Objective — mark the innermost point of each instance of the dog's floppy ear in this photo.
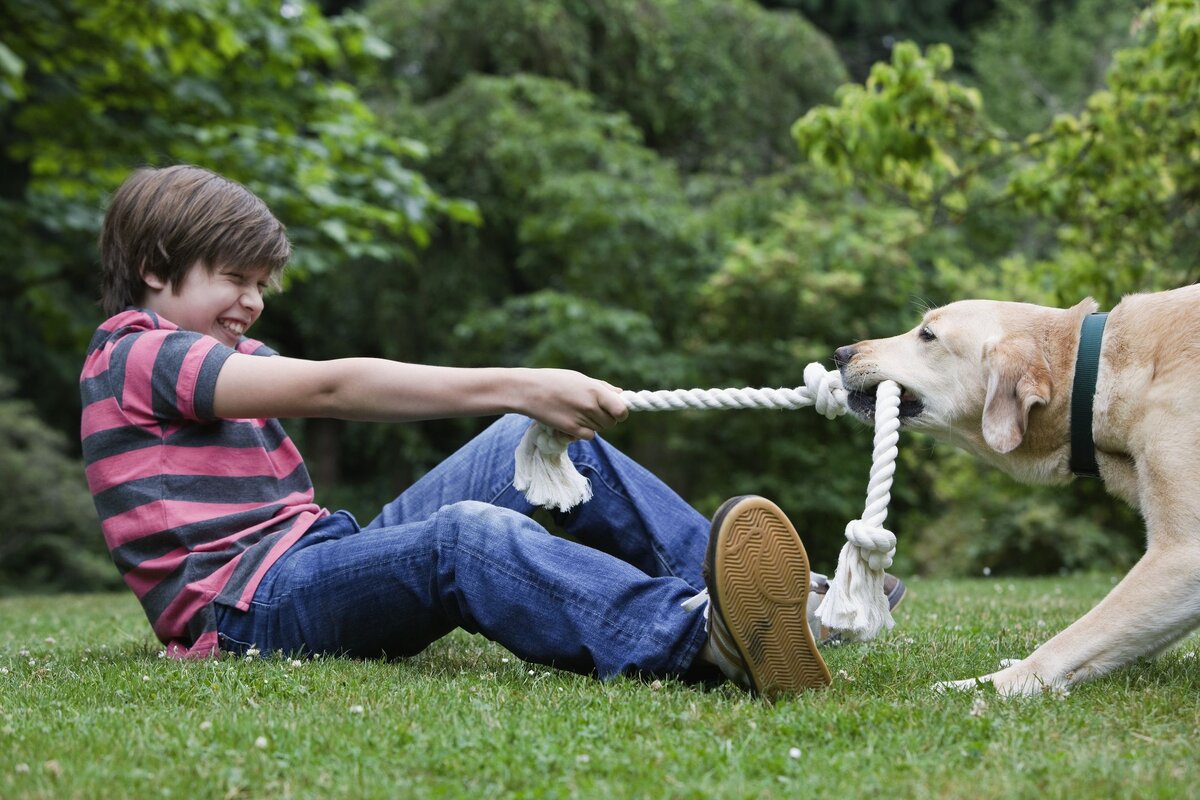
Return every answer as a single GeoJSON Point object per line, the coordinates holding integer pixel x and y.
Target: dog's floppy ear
{"type": "Point", "coordinates": [1018, 378]}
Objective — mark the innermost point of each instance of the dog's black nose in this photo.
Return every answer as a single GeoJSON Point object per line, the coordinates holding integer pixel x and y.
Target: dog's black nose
{"type": "Point", "coordinates": [842, 356]}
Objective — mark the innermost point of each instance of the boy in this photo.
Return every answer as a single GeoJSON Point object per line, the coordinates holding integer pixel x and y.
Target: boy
{"type": "Point", "coordinates": [208, 510]}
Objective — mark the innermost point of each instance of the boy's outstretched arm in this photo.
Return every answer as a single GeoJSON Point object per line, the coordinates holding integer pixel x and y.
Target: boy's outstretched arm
{"type": "Point", "coordinates": [382, 390]}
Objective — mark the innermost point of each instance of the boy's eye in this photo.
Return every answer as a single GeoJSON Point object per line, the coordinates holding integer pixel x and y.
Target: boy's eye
{"type": "Point", "coordinates": [926, 335]}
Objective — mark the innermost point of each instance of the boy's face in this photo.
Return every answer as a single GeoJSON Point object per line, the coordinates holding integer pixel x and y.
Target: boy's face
{"type": "Point", "coordinates": [223, 302]}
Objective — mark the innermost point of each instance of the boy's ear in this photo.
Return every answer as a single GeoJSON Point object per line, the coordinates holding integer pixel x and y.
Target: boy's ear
{"type": "Point", "coordinates": [153, 281]}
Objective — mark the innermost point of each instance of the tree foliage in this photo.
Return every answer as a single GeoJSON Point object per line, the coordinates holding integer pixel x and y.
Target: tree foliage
{"type": "Point", "coordinates": [1037, 60]}
{"type": "Point", "coordinates": [711, 84]}
{"type": "Point", "coordinates": [1117, 181]}
{"type": "Point", "coordinates": [866, 30]}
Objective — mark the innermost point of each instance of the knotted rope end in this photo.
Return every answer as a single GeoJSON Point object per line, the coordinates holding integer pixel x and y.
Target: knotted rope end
{"type": "Point", "coordinates": [855, 607]}
{"type": "Point", "coordinates": [545, 474]}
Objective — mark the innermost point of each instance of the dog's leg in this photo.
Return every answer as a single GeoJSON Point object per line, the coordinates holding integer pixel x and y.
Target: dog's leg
{"type": "Point", "coordinates": [1156, 604]}
{"type": "Point", "coordinates": [1159, 600]}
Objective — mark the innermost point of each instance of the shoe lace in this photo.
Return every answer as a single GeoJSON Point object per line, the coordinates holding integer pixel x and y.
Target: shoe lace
{"type": "Point", "coordinates": [694, 602]}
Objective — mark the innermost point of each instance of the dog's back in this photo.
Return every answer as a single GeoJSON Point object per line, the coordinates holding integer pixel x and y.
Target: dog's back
{"type": "Point", "coordinates": [1148, 389]}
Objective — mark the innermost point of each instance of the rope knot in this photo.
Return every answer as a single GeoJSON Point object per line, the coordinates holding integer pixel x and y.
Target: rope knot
{"type": "Point", "coordinates": [549, 442]}
{"type": "Point", "coordinates": [876, 545]}
{"type": "Point", "coordinates": [825, 387]}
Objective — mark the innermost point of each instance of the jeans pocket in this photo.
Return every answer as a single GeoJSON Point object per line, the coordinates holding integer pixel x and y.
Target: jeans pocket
{"type": "Point", "coordinates": [238, 631]}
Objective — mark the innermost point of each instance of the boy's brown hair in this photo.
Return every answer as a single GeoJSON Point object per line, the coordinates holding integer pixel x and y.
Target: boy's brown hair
{"type": "Point", "coordinates": [162, 221]}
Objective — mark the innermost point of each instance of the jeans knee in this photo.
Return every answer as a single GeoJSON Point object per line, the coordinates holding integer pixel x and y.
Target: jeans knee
{"type": "Point", "coordinates": [464, 512]}
{"type": "Point", "coordinates": [471, 520]}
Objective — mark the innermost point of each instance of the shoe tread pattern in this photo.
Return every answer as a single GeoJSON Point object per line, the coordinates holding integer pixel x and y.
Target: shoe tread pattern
{"type": "Point", "coordinates": [762, 583]}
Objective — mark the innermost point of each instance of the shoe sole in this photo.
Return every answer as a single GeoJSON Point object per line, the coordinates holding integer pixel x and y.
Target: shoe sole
{"type": "Point", "coordinates": [760, 582]}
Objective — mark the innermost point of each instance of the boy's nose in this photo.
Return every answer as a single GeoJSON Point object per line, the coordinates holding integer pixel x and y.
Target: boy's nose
{"type": "Point", "coordinates": [252, 298]}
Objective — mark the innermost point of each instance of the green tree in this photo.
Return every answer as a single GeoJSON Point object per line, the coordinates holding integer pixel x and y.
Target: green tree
{"type": "Point", "coordinates": [1113, 189]}
{"type": "Point", "coordinates": [636, 210]}
{"type": "Point", "coordinates": [866, 30]}
{"type": "Point", "coordinates": [578, 128]}
{"type": "Point", "coordinates": [1033, 61]}
{"type": "Point", "coordinates": [711, 84]}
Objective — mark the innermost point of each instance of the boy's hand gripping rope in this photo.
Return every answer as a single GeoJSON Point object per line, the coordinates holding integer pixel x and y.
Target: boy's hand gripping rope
{"type": "Point", "coordinates": [855, 606]}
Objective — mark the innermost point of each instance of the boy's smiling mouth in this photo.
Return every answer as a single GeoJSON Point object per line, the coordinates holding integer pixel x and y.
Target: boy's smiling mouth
{"type": "Point", "coordinates": [233, 327]}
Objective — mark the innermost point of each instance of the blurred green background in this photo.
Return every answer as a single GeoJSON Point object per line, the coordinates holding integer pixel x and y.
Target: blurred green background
{"type": "Point", "coordinates": [661, 193]}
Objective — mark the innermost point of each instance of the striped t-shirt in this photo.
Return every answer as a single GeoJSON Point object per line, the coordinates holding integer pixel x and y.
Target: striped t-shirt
{"type": "Point", "coordinates": [194, 509]}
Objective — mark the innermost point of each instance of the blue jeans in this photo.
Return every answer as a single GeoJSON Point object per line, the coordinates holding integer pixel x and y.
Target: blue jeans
{"type": "Point", "coordinates": [458, 549]}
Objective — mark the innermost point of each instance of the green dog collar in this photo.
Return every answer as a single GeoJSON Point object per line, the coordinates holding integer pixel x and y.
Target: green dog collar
{"type": "Point", "coordinates": [1083, 392]}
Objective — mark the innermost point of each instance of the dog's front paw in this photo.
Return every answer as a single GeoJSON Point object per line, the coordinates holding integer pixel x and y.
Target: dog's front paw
{"type": "Point", "coordinates": [1017, 680]}
{"type": "Point", "coordinates": [1022, 682]}
{"type": "Point", "coordinates": [969, 685]}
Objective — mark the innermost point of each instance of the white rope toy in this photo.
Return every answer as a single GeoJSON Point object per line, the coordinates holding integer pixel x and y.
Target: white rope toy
{"type": "Point", "coordinates": [855, 606]}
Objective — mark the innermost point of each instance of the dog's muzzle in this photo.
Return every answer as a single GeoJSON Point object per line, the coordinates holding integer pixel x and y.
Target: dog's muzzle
{"type": "Point", "coordinates": [861, 400]}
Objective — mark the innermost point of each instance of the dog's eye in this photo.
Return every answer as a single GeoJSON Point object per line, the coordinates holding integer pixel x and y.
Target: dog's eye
{"type": "Point", "coordinates": [925, 334]}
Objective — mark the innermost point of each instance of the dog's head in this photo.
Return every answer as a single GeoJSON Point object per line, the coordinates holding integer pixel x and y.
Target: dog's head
{"type": "Point", "coordinates": [974, 370]}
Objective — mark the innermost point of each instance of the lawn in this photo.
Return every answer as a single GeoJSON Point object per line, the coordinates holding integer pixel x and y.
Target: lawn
{"type": "Point", "coordinates": [88, 708]}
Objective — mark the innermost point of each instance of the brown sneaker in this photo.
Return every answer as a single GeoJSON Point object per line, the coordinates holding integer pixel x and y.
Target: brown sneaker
{"type": "Point", "coordinates": [757, 575]}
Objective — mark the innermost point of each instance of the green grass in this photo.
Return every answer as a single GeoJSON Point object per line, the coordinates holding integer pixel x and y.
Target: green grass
{"type": "Point", "coordinates": [89, 709]}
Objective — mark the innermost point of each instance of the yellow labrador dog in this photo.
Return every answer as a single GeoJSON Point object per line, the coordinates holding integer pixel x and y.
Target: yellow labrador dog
{"type": "Point", "coordinates": [996, 379]}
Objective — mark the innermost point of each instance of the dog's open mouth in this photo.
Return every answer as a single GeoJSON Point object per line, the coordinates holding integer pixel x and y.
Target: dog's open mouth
{"type": "Point", "coordinates": [862, 402]}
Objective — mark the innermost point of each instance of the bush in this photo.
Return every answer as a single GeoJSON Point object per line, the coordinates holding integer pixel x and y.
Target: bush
{"type": "Point", "coordinates": [712, 84]}
{"type": "Point", "coordinates": [52, 538]}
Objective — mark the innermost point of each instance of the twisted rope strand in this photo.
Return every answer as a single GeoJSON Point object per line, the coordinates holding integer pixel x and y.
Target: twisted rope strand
{"type": "Point", "coordinates": [876, 544]}
{"type": "Point", "coordinates": [883, 455]}
{"type": "Point", "coordinates": [821, 388]}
